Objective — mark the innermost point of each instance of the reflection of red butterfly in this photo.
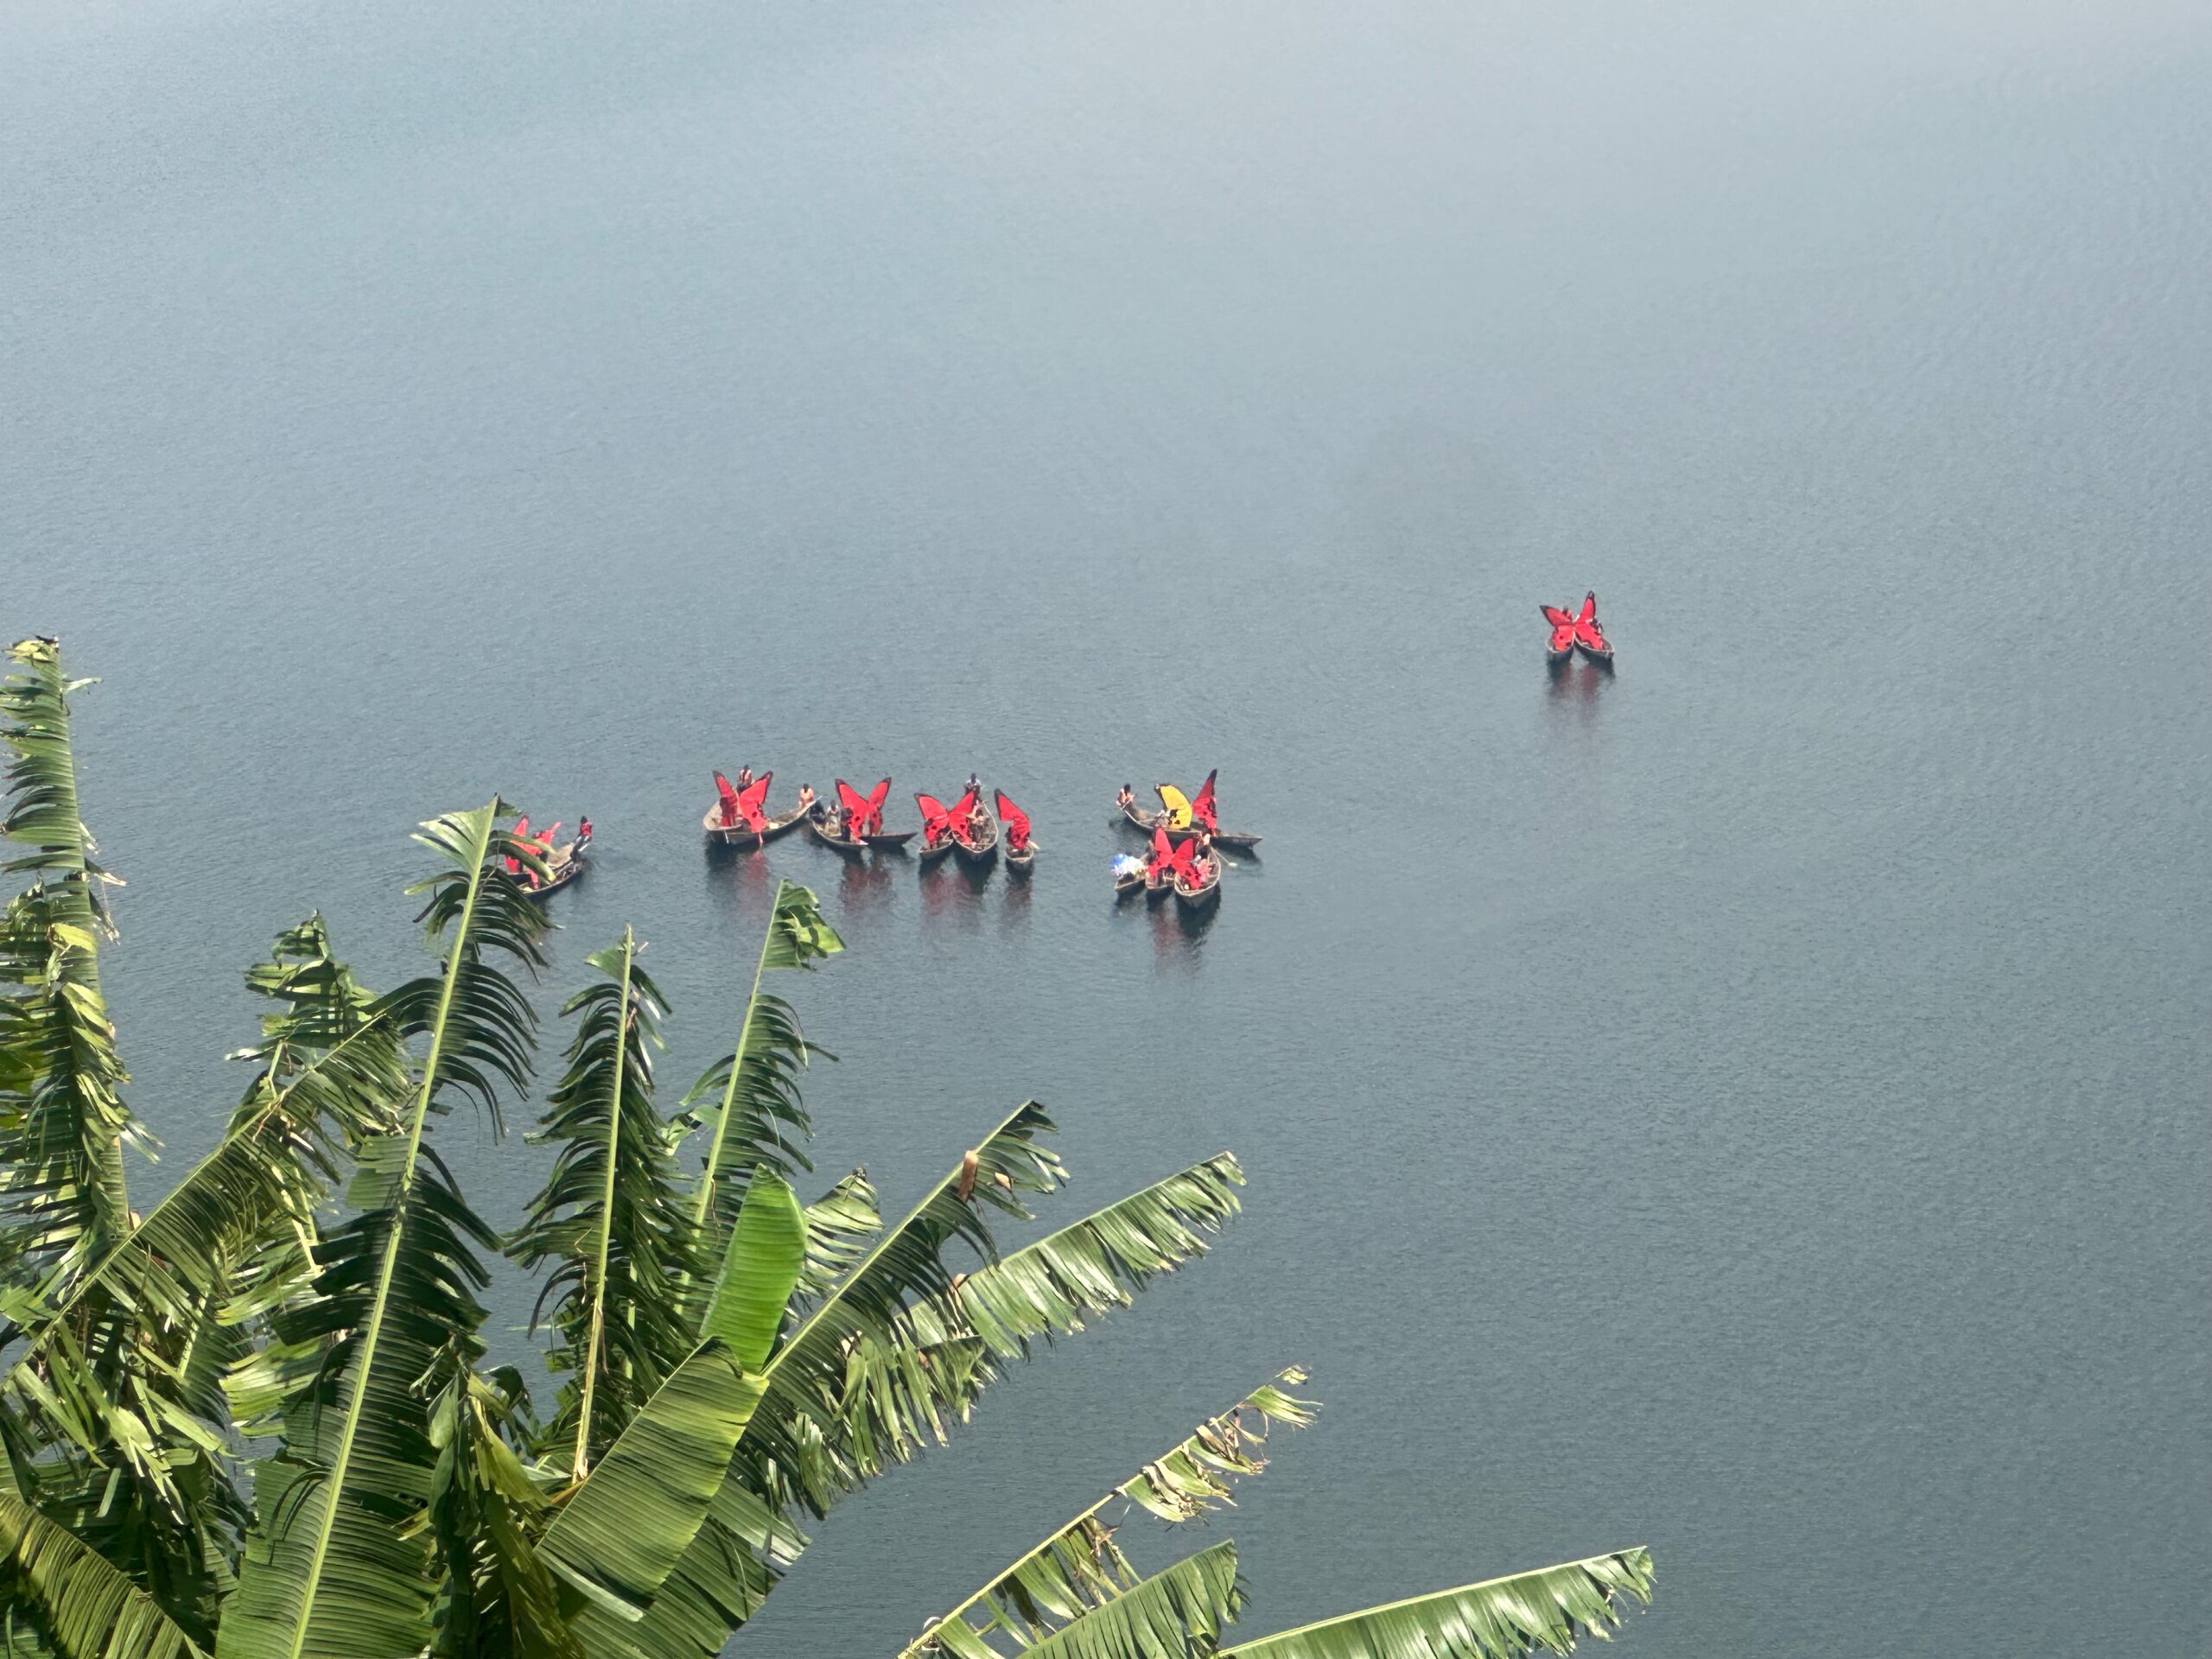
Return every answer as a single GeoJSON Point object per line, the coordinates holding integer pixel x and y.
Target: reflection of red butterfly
{"type": "Point", "coordinates": [743, 806]}
{"type": "Point", "coordinates": [866, 810]}
{"type": "Point", "coordinates": [1016, 820]}
{"type": "Point", "coordinates": [1569, 632]}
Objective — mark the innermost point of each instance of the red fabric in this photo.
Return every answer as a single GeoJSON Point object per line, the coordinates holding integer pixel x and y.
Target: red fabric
{"type": "Point", "coordinates": [1016, 822]}
{"type": "Point", "coordinates": [1202, 808]}
{"type": "Point", "coordinates": [731, 811]}
{"type": "Point", "coordinates": [748, 802]}
{"type": "Point", "coordinates": [937, 823]}
{"type": "Point", "coordinates": [1582, 629]}
{"type": "Point", "coordinates": [1169, 860]}
{"type": "Point", "coordinates": [855, 806]}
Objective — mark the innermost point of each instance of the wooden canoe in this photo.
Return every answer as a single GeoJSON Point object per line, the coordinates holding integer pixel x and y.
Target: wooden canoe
{"type": "Point", "coordinates": [1126, 885]}
{"type": "Point", "coordinates": [1558, 659]}
{"type": "Point", "coordinates": [1022, 862]}
{"type": "Point", "coordinates": [1137, 818]}
{"type": "Point", "coordinates": [891, 842]}
{"type": "Point", "coordinates": [932, 851]}
{"type": "Point", "coordinates": [823, 830]}
{"type": "Point", "coordinates": [977, 853]}
{"type": "Point", "coordinates": [736, 834]}
{"type": "Point", "coordinates": [1199, 895]}
{"type": "Point", "coordinates": [568, 864]}
{"type": "Point", "coordinates": [1602, 655]}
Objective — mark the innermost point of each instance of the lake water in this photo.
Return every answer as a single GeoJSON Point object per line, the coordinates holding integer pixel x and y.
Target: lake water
{"type": "Point", "coordinates": [1754, 1105]}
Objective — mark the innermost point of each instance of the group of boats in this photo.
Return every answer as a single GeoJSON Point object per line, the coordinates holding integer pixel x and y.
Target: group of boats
{"type": "Point", "coordinates": [966, 830]}
{"type": "Point", "coordinates": [1185, 858]}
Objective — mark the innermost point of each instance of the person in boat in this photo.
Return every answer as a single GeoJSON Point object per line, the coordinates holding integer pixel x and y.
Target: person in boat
{"type": "Point", "coordinates": [806, 803]}
{"type": "Point", "coordinates": [744, 777]}
{"type": "Point", "coordinates": [1127, 799]}
{"type": "Point", "coordinates": [583, 834]}
{"type": "Point", "coordinates": [979, 821]}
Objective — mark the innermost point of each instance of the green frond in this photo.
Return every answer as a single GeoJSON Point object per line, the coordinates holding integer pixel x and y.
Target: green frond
{"type": "Point", "coordinates": [1503, 1618]}
{"type": "Point", "coordinates": [622, 1532]}
{"type": "Point", "coordinates": [340, 1562]}
{"type": "Point", "coordinates": [1081, 1566]}
{"type": "Point", "coordinates": [1046, 1289]}
{"type": "Point", "coordinates": [610, 1219]}
{"type": "Point", "coordinates": [499, 1599]}
{"type": "Point", "coordinates": [63, 1124]}
{"type": "Point", "coordinates": [1179, 1613]}
{"type": "Point", "coordinates": [849, 1392]}
{"type": "Point", "coordinates": [841, 1227]}
{"type": "Point", "coordinates": [84, 1606]}
{"type": "Point", "coordinates": [758, 1118]}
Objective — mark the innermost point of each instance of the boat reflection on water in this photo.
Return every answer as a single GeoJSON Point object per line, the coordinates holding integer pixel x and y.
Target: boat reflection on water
{"type": "Point", "coordinates": [864, 885]}
{"type": "Point", "coordinates": [1578, 686]}
{"type": "Point", "coordinates": [952, 898]}
{"type": "Point", "coordinates": [740, 886]}
{"type": "Point", "coordinates": [1013, 908]}
{"type": "Point", "coordinates": [1179, 935]}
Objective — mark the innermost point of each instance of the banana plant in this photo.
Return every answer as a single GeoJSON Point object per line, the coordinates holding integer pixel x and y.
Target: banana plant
{"type": "Point", "coordinates": [733, 1363]}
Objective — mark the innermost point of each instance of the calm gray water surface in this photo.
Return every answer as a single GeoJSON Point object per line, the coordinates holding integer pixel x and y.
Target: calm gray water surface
{"type": "Point", "coordinates": [1754, 1106]}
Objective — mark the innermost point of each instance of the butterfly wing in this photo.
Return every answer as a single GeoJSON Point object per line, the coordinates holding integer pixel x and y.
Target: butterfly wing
{"type": "Point", "coordinates": [750, 799]}
{"type": "Point", "coordinates": [732, 812]}
{"type": "Point", "coordinates": [935, 818]}
{"type": "Point", "coordinates": [963, 807]}
{"type": "Point", "coordinates": [1178, 805]}
{"type": "Point", "coordinates": [1013, 818]}
{"type": "Point", "coordinates": [852, 800]}
{"type": "Point", "coordinates": [1202, 807]}
{"type": "Point", "coordinates": [1589, 613]}
{"type": "Point", "coordinates": [1556, 617]}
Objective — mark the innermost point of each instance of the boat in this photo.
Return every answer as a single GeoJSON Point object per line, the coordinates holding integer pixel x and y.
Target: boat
{"type": "Point", "coordinates": [1020, 846]}
{"type": "Point", "coordinates": [1128, 881]}
{"type": "Point", "coordinates": [736, 819]}
{"type": "Point", "coordinates": [823, 826]}
{"type": "Point", "coordinates": [1194, 893]}
{"type": "Point", "coordinates": [1576, 631]}
{"type": "Point", "coordinates": [940, 832]}
{"type": "Point", "coordinates": [1138, 818]}
{"type": "Point", "coordinates": [744, 838]}
{"type": "Point", "coordinates": [564, 864]}
{"type": "Point", "coordinates": [866, 810]}
{"type": "Point", "coordinates": [976, 848]}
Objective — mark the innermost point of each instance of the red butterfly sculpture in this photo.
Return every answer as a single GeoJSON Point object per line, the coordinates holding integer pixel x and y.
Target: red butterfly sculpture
{"type": "Point", "coordinates": [1202, 808]}
{"type": "Point", "coordinates": [1582, 629]}
{"type": "Point", "coordinates": [1016, 822]}
{"type": "Point", "coordinates": [744, 806]}
{"type": "Point", "coordinates": [937, 823]}
{"type": "Point", "coordinates": [866, 810]}
{"type": "Point", "coordinates": [1169, 859]}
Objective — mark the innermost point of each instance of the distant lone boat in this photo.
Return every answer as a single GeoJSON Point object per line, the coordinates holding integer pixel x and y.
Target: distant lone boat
{"type": "Point", "coordinates": [1580, 633]}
